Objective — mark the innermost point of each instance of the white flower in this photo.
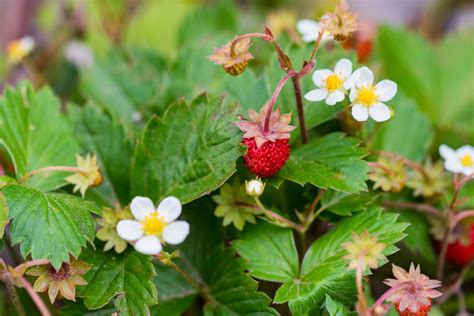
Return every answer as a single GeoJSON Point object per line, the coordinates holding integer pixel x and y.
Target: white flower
{"type": "Point", "coordinates": [79, 54]}
{"type": "Point", "coordinates": [332, 84]}
{"type": "Point", "coordinates": [254, 187]}
{"type": "Point", "coordinates": [153, 227]}
{"type": "Point", "coordinates": [19, 49]}
{"type": "Point", "coordinates": [309, 30]}
{"type": "Point", "coordinates": [367, 99]}
{"type": "Point", "coordinates": [458, 161]}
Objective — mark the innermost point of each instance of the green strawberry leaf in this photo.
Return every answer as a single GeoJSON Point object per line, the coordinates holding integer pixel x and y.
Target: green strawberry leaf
{"type": "Point", "coordinates": [31, 143]}
{"type": "Point", "coordinates": [109, 140]}
{"type": "Point", "coordinates": [3, 214]}
{"type": "Point", "coordinates": [127, 277]}
{"type": "Point", "coordinates": [332, 161]}
{"type": "Point", "coordinates": [335, 308]}
{"type": "Point", "coordinates": [344, 204]}
{"type": "Point", "coordinates": [189, 152]}
{"type": "Point", "coordinates": [49, 225]}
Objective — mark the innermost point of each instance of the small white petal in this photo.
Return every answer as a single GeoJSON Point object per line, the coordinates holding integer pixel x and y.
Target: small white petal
{"type": "Point", "coordinates": [170, 209]}
{"type": "Point", "coordinates": [467, 171]}
{"type": "Point", "coordinates": [447, 152]}
{"type": "Point", "coordinates": [360, 112]}
{"type": "Point", "coordinates": [386, 90]}
{"type": "Point", "coordinates": [353, 94]}
{"type": "Point", "coordinates": [343, 68]}
{"type": "Point", "coordinates": [316, 95]}
{"type": "Point", "coordinates": [309, 29]}
{"type": "Point", "coordinates": [149, 245]}
{"type": "Point", "coordinates": [129, 229]}
{"type": "Point", "coordinates": [141, 207]}
{"type": "Point", "coordinates": [176, 232]}
{"type": "Point", "coordinates": [351, 81]}
{"type": "Point", "coordinates": [320, 76]}
{"type": "Point", "coordinates": [334, 97]}
{"type": "Point", "coordinates": [366, 77]}
{"type": "Point", "coordinates": [453, 165]}
{"type": "Point", "coordinates": [465, 150]}
{"type": "Point", "coordinates": [379, 112]}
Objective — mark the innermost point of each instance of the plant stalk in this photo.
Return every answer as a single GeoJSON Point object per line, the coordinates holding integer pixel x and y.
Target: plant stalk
{"type": "Point", "coordinates": [299, 104]}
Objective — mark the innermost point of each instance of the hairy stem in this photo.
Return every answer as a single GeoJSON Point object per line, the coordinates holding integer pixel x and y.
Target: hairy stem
{"type": "Point", "coordinates": [424, 208]}
{"type": "Point", "coordinates": [299, 104]}
{"type": "Point", "coordinates": [22, 267]}
{"type": "Point", "coordinates": [277, 91]}
{"type": "Point", "coordinates": [263, 36]}
{"type": "Point", "coordinates": [278, 217]}
{"type": "Point", "coordinates": [49, 169]}
{"type": "Point", "coordinates": [316, 44]}
{"type": "Point", "coordinates": [35, 297]}
{"type": "Point", "coordinates": [387, 294]}
{"type": "Point", "coordinates": [362, 304]}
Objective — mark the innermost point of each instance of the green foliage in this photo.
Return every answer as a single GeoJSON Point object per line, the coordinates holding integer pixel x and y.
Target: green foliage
{"type": "Point", "coordinates": [323, 270]}
{"type": "Point", "coordinates": [335, 308]}
{"type": "Point", "coordinates": [30, 142]}
{"type": "Point", "coordinates": [108, 139]}
{"type": "Point", "coordinates": [3, 214]}
{"type": "Point", "coordinates": [332, 161]}
{"type": "Point", "coordinates": [344, 204]}
{"type": "Point", "coordinates": [202, 135]}
{"type": "Point", "coordinates": [126, 277]}
{"type": "Point", "coordinates": [49, 225]}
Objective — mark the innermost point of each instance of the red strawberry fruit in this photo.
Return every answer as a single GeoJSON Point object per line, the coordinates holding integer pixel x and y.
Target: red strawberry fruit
{"type": "Point", "coordinates": [266, 137]}
{"type": "Point", "coordinates": [461, 252]}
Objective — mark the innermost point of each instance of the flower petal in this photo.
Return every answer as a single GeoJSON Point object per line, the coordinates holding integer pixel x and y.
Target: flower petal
{"type": "Point", "coordinates": [366, 77]}
{"type": "Point", "coordinates": [351, 81]}
{"type": "Point", "coordinates": [386, 90]}
{"type": "Point", "coordinates": [316, 95]}
{"type": "Point", "coordinates": [453, 165]}
{"type": "Point", "coordinates": [360, 112]}
{"type": "Point", "coordinates": [465, 150]}
{"type": "Point", "coordinates": [343, 68]}
{"type": "Point", "coordinates": [447, 152]}
{"type": "Point", "coordinates": [129, 229]}
{"type": "Point", "coordinates": [319, 76]}
{"type": "Point", "coordinates": [334, 97]}
{"type": "Point", "coordinates": [309, 29]}
{"type": "Point", "coordinates": [379, 112]}
{"type": "Point", "coordinates": [149, 245]}
{"type": "Point", "coordinates": [170, 209]}
{"type": "Point", "coordinates": [353, 94]}
{"type": "Point", "coordinates": [141, 207]}
{"type": "Point", "coordinates": [175, 233]}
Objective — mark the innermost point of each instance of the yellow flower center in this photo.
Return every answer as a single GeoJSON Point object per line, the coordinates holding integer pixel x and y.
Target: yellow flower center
{"type": "Point", "coordinates": [367, 96]}
{"type": "Point", "coordinates": [333, 82]}
{"type": "Point", "coordinates": [15, 50]}
{"type": "Point", "coordinates": [153, 224]}
{"type": "Point", "coordinates": [467, 161]}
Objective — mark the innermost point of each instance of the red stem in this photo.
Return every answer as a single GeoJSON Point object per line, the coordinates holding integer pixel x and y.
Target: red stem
{"type": "Point", "coordinates": [464, 214]}
{"type": "Point", "coordinates": [263, 36]}
{"type": "Point", "coordinates": [277, 91]}
{"type": "Point", "coordinates": [299, 104]}
{"type": "Point", "coordinates": [31, 263]}
{"type": "Point", "coordinates": [387, 294]}
{"type": "Point", "coordinates": [35, 297]}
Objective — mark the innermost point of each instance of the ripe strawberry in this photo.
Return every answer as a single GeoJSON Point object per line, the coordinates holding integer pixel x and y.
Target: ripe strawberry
{"type": "Point", "coordinates": [461, 253]}
{"type": "Point", "coordinates": [268, 146]}
{"type": "Point", "coordinates": [422, 310]}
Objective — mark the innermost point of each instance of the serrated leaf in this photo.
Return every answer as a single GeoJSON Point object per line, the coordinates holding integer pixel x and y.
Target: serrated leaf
{"type": "Point", "coordinates": [218, 275]}
{"type": "Point", "coordinates": [126, 277]}
{"type": "Point", "coordinates": [408, 133]}
{"type": "Point", "coordinates": [49, 225]}
{"type": "Point", "coordinates": [270, 252]}
{"type": "Point", "coordinates": [344, 204]}
{"type": "Point", "coordinates": [324, 271]}
{"type": "Point", "coordinates": [3, 214]}
{"type": "Point", "coordinates": [335, 308]}
{"type": "Point", "coordinates": [108, 139]}
{"type": "Point", "coordinates": [332, 161]}
{"type": "Point", "coordinates": [32, 143]}
{"type": "Point", "coordinates": [202, 134]}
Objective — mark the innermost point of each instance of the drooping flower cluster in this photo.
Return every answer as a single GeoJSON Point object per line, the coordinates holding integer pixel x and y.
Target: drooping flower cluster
{"type": "Point", "coordinates": [367, 99]}
{"type": "Point", "coordinates": [415, 291]}
{"type": "Point", "coordinates": [234, 58]}
{"type": "Point", "coordinates": [460, 160]}
{"type": "Point", "coordinates": [342, 22]}
{"type": "Point", "coordinates": [153, 227]}
{"type": "Point", "coordinates": [268, 148]}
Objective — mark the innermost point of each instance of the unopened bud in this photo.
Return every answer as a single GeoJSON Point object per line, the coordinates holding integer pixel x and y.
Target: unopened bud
{"type": "Point", "coordinates": [254, 187]}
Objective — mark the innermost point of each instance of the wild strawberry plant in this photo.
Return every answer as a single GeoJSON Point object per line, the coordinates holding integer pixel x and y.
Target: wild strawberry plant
{"type": "Point", "coordinates": [283, 183]}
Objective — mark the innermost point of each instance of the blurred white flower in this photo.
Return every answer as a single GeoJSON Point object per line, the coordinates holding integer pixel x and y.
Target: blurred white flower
{"type": "Point", "coordinates": [458, 161]}
{"type": "Point", "coordinates": [153, 227]}
{"type": "Point", "coordinates": [367, 99]}
{"type": "Point", "coordinates": [19, 49]}
{"type": "Point", "coordinates": [309, 30]}
{"type": "Point", "coordinates": [254, 187]}
{"type": "Point", "coordinates": [79, 54]}
{"type": "Point", "coordinates": [332, 84]}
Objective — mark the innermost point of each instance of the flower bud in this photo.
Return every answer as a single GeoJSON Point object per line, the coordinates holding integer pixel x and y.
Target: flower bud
{"type": "Point", "coordinates": [254, 187]}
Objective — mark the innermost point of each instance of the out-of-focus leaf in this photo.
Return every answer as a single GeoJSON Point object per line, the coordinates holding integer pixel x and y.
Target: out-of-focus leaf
{"type": "Point", "coordinates": [127, 277]}
{"type": "Point", "coordinates": [333, 161]}
{"type": "Point", "coordinates": [204, 138]}
{"type": "Point", "coordinates": [344, 204]}
{"type": "Point", "coordinates": [408, 133]}
{"type": "Point", "coordinates": [30, 141]}
{"type": "Point", "coordinates": [108, 139]}
{"type": "Point", "coordinates": [49, 225]}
